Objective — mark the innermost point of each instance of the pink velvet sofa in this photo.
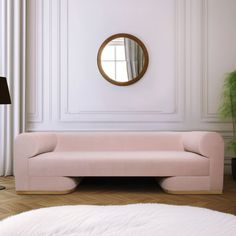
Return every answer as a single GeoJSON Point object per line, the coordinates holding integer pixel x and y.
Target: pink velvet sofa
{"type": "Point", "coordinates": [184, 162]}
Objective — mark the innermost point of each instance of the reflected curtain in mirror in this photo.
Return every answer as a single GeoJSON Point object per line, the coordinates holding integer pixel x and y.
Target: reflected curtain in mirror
{"type": "Point", "coordinates": [134, 58]}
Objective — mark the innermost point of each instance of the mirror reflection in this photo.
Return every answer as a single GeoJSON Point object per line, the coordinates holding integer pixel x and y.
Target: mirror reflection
{"type": "Point", "coordinates": [122, 59]}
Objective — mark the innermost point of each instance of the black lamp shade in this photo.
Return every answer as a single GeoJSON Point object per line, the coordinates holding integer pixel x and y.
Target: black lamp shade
{"type": "Point", "coordinates": [4, 92]}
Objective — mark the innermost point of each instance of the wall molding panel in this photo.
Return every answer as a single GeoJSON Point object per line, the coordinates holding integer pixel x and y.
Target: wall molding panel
{"type": "Point", "coordinates": [207, 116]}
{"type": "Point", "coordinates": [178, 92]}
{"type": "Point", "coordinates": [121, 116]}
{"type": "Point", "coordinates": [35, 61]}
{"type": "Point", "coordinates": [212, 76]}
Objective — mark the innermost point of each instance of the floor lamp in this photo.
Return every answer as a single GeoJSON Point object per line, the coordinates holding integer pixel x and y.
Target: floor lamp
{"type": "Point", "coordinates": [4, 98]}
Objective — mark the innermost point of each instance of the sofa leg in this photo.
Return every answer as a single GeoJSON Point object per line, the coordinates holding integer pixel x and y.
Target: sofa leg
{"type": "Point", "coordinates": [188, 185]}
{"type": "Point", "coordinates": [45, 192]}
{"type": "Point", "coordinates": [192, 192]}
{"type": "Point", "coordinates": [49, 185]}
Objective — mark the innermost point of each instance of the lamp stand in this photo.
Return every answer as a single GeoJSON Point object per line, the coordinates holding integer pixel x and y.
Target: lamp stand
{"type": "Point", "coordinates": [4, 98]}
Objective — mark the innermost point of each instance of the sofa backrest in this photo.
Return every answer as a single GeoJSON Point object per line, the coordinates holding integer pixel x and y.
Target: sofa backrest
{"type": "Point", "coordinates": [119, 141]}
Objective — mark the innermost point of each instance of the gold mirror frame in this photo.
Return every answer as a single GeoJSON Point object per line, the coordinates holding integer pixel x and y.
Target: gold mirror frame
{"type": "Point", "coordinates": [145, 53]}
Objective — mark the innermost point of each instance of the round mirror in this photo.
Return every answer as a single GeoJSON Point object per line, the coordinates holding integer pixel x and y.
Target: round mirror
{"type": "Point", "coordinates": [122, 59]}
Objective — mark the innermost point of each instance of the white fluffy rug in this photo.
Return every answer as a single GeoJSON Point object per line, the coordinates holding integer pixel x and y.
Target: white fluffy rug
{"type": "Point", "coordinates": [130, 220]}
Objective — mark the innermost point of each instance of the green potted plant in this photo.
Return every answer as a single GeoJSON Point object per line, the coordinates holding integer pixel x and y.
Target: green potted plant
{"type": "Point", "coordinates": [227, 111]}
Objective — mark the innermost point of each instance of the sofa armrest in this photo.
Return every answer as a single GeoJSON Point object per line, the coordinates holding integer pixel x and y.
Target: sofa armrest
{"type": "Point", "coordinates": [31, 144]}
{"type": "Point", "coordinates": [208, 144]}
{"type": "Point", "coordinates": [28, 145]}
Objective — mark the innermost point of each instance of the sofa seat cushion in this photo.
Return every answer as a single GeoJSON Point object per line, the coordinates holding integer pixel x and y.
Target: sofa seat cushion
{"type": "Point", "coordinates": [129, 163]}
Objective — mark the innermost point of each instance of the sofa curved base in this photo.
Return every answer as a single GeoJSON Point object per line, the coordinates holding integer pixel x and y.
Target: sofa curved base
{"type": "Point", "coordinates": [49, 185]}
{"type": "Point", "coordinates": [188, 185]}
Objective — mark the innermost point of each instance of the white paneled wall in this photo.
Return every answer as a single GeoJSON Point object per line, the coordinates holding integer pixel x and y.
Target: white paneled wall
{"type": "Point", "coordinates": [191, 45]}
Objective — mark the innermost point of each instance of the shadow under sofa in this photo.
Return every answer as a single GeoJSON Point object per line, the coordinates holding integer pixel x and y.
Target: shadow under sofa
{"type": "Point", "coordinates": [54, 163]}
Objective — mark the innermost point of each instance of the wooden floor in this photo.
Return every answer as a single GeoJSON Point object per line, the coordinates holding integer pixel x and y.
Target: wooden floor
{"type": "Point", "coordinates": [104, 191]}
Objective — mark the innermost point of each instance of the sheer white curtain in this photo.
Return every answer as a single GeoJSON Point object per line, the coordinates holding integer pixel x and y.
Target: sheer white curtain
{"type": "Point", "coordinates": [12, 66]}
